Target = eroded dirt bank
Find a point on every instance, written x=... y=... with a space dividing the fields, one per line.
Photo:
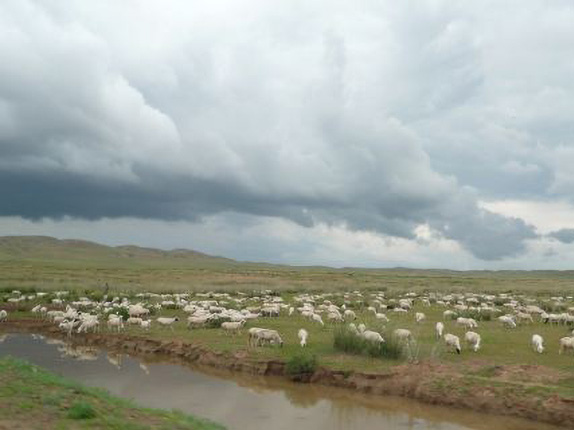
x=517 y=390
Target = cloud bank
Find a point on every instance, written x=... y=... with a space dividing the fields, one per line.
x=381 y=118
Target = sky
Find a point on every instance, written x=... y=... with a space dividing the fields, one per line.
x=366 y=133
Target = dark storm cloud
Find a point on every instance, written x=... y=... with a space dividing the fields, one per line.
x=185 y=111
x=565 y=235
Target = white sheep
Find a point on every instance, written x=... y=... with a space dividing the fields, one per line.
x=303 y=335
x=439 y=329
x=420 y=317
x=452 y=341
x=372 y=336
x=352 y=327
x=565 y=344
x=232 y=327
x=537 y=343
x=317 y=318
x=402 y=334
x=521 y=316
x=67 y=326
x=349 y=315
x=167 y=322
x=89 y=324
x=3 y=315
x=473 y=339
x=467 y=323
x=259 y=336
x=381 y=317
x=335 y=317
x=145 y=324
x=116 y=322
x=507 y=321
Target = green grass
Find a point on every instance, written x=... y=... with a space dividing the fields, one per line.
x=81 y=411
x=31 y=395
x=49 y=264
x=301 y=363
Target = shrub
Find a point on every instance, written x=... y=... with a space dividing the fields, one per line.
x=348 y=342
x=301 y=364
x=81 y=411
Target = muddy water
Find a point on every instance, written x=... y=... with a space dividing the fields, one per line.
x=246 y=402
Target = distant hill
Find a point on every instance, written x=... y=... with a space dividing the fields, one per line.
x=46 y=262
x=49 y=249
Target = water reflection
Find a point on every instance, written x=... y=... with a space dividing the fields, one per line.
x=244 y=401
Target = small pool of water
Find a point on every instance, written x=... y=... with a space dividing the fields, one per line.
x=245 y=402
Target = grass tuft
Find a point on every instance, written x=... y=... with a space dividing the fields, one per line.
x=81 y=411
x=302 y=363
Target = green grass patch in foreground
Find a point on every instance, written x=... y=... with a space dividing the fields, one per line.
x=29 y=394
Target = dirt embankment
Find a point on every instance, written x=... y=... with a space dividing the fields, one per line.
x=431 y=383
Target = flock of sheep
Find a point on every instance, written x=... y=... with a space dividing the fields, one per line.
x=231 y=312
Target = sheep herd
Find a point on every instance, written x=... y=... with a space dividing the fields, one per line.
x=366 y=314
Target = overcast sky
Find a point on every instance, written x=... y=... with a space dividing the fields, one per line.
x=364 y=133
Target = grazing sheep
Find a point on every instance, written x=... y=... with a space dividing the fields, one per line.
x=260 y=336
x=145 y=324
x=452 y=341
x=467 y=323
x=317 y=318
x=439 y=329
x=419 y=317
x=67 y=326
x=349 y=315
x=507 y=321
x=137 y=311
x=352 y=327
x=197 y=321
x=565 y=344
x=335 y=317
x=537 y=343
x=167 y=322
x=381 y=317
x=232 y=327
x=291 y=310
x=253 y=337
x=303 y=335
x=134 y=321
x=89 y=324
x=3 y=315
x=116 y=322
x=521 y=316
x=403 y=334
x=372 y=336
x=473 y=339
x=361 y=327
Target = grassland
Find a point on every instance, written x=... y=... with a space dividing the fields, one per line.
x=32 y=398
x=48 y=263
x=506 y=363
